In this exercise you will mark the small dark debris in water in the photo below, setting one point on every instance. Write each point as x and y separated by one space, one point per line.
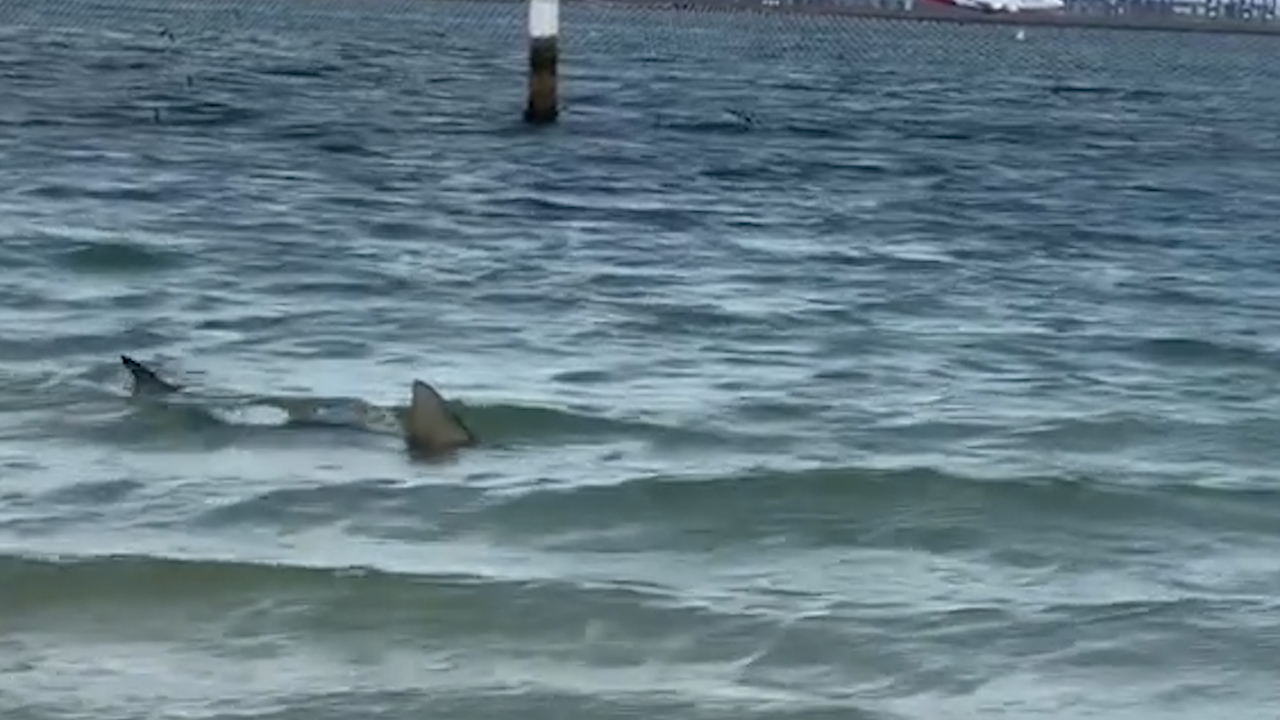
164 33
155 114
743 116
190 81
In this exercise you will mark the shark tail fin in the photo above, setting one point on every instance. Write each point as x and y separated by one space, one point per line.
145 381
430 425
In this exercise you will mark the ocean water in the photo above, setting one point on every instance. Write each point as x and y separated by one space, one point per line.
823 369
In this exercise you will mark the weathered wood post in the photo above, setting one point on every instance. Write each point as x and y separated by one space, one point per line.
544 52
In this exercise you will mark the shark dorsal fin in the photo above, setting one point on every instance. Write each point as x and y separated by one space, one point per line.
430 426
146 382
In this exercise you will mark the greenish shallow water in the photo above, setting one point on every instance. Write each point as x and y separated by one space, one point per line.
850 370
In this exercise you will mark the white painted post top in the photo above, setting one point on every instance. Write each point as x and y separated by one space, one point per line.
544 18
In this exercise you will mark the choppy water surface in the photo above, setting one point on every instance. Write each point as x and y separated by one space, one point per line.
853 371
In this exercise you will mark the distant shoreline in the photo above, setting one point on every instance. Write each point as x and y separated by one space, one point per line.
939 13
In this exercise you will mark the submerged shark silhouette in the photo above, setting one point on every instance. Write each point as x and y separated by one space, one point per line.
428 426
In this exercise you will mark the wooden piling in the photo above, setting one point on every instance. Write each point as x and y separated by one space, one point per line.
544 52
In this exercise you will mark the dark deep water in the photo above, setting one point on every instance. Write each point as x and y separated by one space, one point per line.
826 369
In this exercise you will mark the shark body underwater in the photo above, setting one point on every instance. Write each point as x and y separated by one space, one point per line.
428 426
